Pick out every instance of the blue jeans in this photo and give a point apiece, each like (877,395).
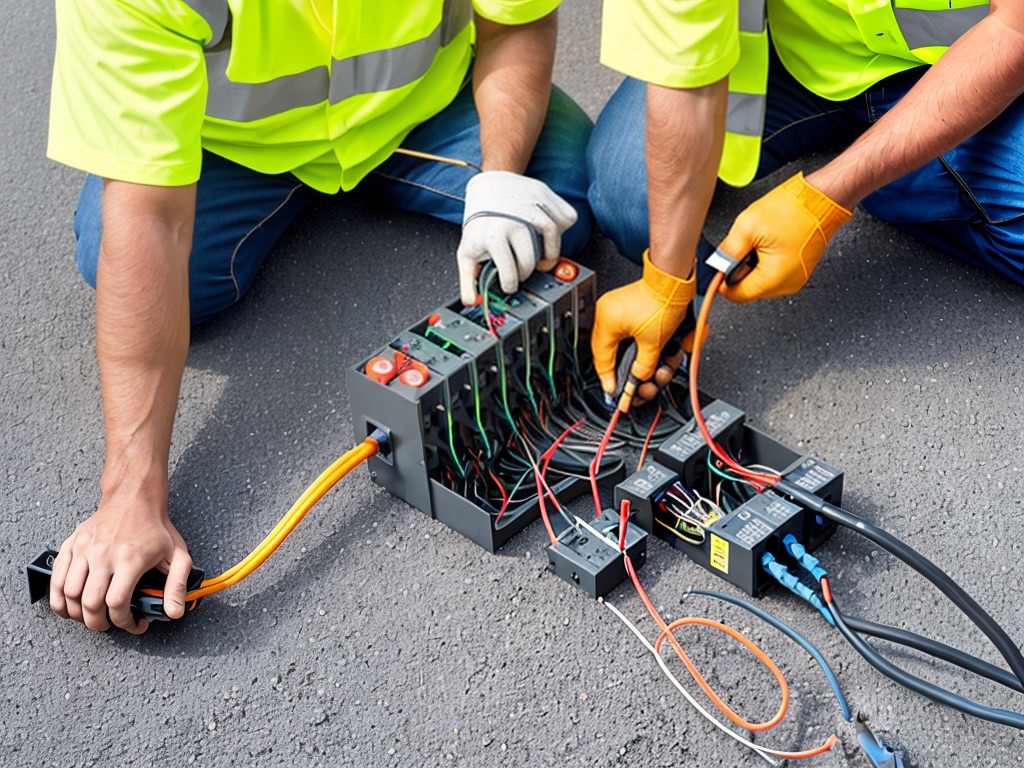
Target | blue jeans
(241,214)
(969,202)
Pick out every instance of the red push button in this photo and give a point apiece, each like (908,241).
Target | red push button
(566,271)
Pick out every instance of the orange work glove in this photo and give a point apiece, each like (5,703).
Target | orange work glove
(789,227)
(648,311)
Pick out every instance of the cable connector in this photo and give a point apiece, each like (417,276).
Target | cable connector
(792,582)
(383,440)
(808,561)
(733,269)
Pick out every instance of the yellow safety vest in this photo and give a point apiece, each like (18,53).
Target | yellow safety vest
(391,68)
(913,29)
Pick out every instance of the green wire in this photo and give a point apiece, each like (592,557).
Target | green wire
(551,352)
(451,431)
(529,383)
(445,344)
(476,397)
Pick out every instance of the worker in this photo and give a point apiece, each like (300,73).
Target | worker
(919,99)
(207,126)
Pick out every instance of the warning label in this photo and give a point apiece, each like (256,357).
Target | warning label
(719,553)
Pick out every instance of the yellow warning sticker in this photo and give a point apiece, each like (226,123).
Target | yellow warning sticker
(719,553)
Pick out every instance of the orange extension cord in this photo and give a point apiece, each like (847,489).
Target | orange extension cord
(327,480)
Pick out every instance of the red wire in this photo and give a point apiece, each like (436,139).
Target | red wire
(544,510)
(699,333)
(623,522)
(647,442)
(595,465)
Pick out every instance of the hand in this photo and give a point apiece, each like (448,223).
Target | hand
(514,221)
(649,311)
(99,565)
(789,227)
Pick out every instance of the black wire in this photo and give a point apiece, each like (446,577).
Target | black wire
(904,552)
(936,649)
(914,683)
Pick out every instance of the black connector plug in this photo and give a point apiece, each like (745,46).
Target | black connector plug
(734,269)
(144,606)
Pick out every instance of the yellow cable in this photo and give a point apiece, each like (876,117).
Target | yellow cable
(327,479)
(299,507)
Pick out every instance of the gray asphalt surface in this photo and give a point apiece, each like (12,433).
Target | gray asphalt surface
(377,637)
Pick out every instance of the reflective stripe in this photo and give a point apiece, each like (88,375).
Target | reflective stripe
(745,113)
(392,68)
(215,13)
(246,102)
(371,72)
(922,29)
(752,15)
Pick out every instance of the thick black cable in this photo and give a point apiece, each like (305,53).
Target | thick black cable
(904,552)
(935,649)
(916,684)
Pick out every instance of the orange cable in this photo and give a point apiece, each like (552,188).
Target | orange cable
(698,336)
(310,496)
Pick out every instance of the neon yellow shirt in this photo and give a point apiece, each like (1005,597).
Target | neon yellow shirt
(689,43)
(675,43)
(820,44)
(325,90)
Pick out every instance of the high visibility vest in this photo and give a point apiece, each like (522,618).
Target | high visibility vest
(921,29)
(393,65)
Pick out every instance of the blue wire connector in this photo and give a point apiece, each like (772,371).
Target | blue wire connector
(792,582)
(805,558)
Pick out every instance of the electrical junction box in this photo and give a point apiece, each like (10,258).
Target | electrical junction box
(441,391)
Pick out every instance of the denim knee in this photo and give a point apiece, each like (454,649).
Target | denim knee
(89,228)
(618,172)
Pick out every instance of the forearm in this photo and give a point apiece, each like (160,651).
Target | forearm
(685,133)
(966,89)
(512,88)
(142,333)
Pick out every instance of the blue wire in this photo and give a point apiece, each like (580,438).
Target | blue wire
(793,635)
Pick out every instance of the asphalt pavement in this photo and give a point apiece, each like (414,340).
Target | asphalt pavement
(378,637)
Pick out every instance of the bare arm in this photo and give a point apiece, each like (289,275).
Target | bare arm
(685,134)
(142,334)
(512,87)
(965,90)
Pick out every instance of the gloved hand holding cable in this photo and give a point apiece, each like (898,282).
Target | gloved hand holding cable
(789,228)
(649,311)
(516,222)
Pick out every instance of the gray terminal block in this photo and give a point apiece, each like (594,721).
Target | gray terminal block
(452,404)
(825,482)
(592,562)
(685,451)
(642,490)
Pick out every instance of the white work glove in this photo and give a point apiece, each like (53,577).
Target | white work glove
(516,222)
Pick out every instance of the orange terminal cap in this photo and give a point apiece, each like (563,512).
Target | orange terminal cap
(434,319)
(381,369)
(566,271)
(414,377)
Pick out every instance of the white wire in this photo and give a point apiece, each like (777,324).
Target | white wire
(772,761)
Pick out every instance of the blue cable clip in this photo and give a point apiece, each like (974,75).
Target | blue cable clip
(792,582)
